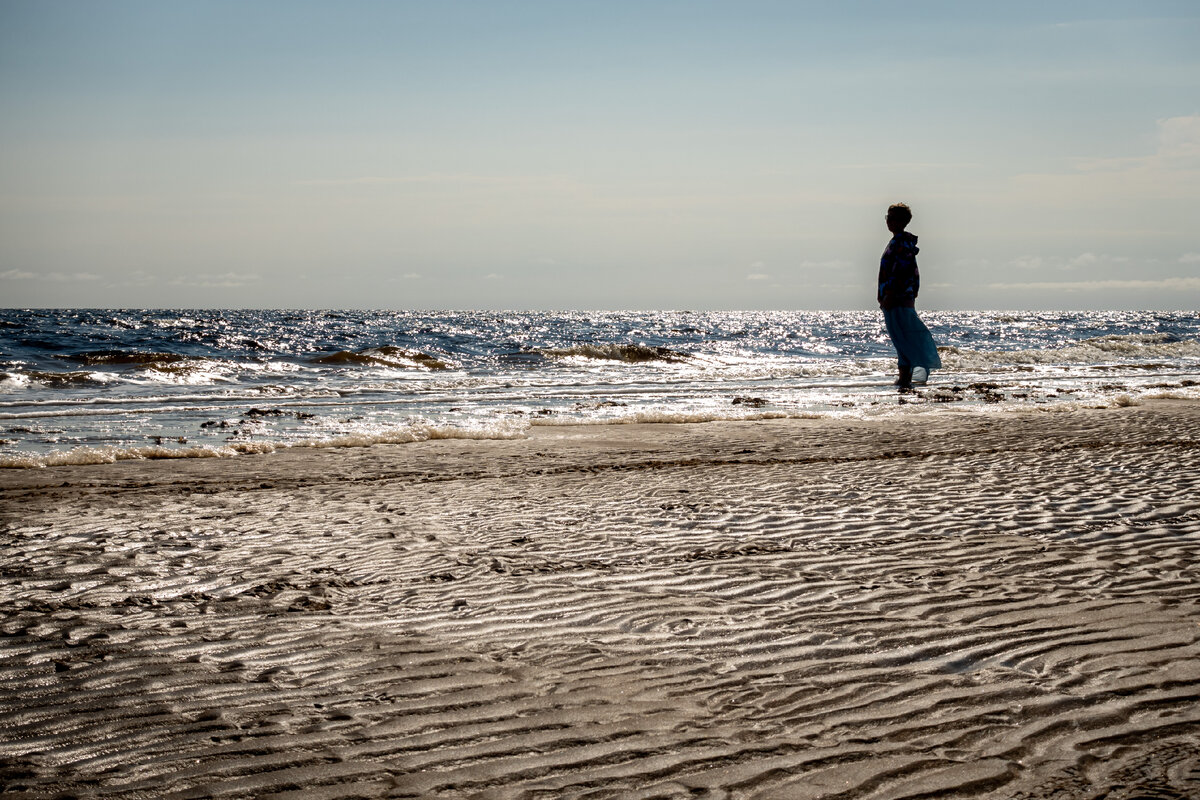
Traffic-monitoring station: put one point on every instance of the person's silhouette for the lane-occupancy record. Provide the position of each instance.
(899, 282)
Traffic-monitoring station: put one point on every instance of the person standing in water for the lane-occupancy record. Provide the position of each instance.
(899, 282)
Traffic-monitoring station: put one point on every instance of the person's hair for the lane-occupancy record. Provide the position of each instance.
(901, 213)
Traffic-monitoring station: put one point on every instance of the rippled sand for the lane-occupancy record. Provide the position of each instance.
(943, 606)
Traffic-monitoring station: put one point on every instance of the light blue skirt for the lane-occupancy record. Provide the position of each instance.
(914, 344)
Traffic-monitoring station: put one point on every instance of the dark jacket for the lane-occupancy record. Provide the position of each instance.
(899, 279)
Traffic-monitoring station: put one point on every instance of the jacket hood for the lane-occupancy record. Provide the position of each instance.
(908, 241)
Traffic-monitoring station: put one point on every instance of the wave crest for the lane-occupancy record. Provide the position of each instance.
(95, 358)
(405, 435)
(387, 356)
(1101, 349)
(627, 353)
(22, 379)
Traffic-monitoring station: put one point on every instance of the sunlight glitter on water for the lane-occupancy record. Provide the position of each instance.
(194, 381)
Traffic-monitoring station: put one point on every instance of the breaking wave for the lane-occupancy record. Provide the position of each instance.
(627, 353)
(133, 366)
(22, 379)
(1098, 350)
(664, 417)
(387, 356)
(404, 435)
(95, 358)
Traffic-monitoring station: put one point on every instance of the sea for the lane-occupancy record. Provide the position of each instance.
(85, 386)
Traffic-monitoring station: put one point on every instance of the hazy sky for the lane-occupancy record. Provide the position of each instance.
(610, 154)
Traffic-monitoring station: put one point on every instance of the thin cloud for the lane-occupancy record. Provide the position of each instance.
(758, 276)
(1091, 260)
(1179, 137)
(224, 280)
(1176, 284)
(135, 278)
(49, 277)
(1170, 173)
(435, 179)
(908, 165)
(1081, 261)
(372, 180)
(831, 264)
(1177, 146)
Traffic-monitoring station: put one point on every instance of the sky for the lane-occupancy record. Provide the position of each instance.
(582, 154)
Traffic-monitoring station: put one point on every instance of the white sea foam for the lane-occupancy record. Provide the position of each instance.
(89, 411)
(1173, 394)
(388, 356)
(1099, 350)
(109, 454)
(507, 429)
(668, 417)
(13, 381)
(627, 353)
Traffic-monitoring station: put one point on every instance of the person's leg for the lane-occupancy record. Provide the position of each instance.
(914, 340)
(891, 321)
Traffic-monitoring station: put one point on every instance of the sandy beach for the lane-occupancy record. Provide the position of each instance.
(941, 605)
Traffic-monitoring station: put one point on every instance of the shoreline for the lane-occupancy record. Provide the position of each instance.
(1003, 606)
(930, 414)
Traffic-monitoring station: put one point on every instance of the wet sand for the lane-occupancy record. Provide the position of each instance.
(999, 606)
